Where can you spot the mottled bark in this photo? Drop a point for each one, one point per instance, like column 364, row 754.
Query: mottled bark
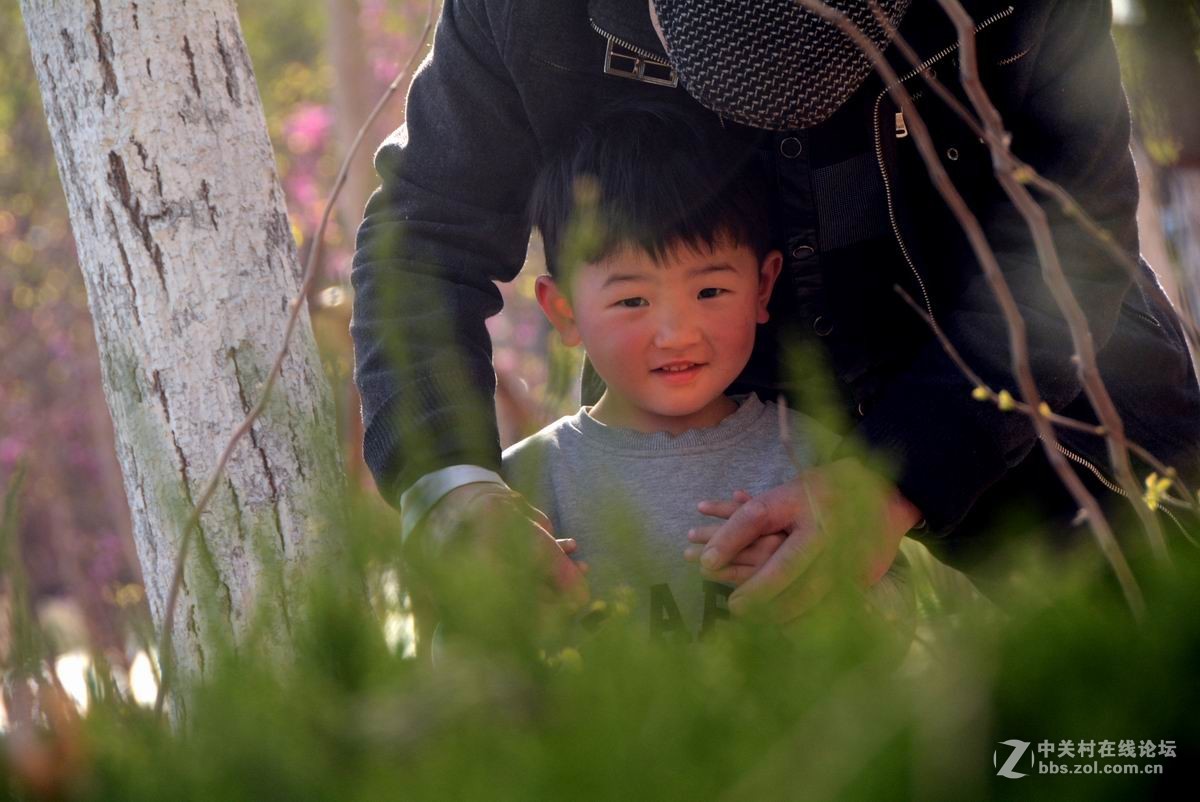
column 189, row 262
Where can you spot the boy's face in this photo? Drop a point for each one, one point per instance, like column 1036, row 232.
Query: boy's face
column 669, row 338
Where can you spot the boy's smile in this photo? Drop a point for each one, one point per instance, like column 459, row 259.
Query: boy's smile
column 679, row 372
column 668, row 338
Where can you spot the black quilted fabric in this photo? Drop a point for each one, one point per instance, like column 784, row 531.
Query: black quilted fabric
column 770, row 63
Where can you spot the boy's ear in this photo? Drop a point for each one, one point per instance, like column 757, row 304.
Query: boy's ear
column 557, row 309
column 772, row 264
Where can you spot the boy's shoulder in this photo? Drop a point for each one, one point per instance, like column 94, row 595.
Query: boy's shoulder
column 804, row 424
column 809, row 441
column 531, row 465
column 538, row 446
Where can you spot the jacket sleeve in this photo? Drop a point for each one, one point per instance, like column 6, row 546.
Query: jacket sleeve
column 446, row 223
column 1073, row 126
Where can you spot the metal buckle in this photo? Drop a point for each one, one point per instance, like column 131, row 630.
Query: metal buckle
column 625, row 63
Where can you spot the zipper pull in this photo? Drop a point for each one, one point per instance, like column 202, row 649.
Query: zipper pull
column 901, row 128
column 624, row 61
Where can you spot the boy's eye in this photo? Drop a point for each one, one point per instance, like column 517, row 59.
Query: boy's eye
column 712, row 292
column 632, row 303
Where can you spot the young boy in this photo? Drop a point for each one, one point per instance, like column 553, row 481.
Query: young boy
column 657, row 246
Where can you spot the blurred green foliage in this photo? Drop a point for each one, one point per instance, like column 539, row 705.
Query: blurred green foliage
column 1160, row 63
column 840, row 706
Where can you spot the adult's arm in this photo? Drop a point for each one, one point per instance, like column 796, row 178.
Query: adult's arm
column 1073, row 126
column 447, row 222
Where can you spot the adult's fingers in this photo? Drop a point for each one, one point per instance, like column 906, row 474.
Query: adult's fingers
column 505, row 502
column 698, row 537
column 539, row 517
column 784, row 568
column 746, row 563
column 506, row 509
column 755, row 554
column 570, row 546
column 762, row 515
column 561, row 572
column 718, row 508
column 801, row 597
column 730, row 574
column 758, row 552
column 723, row 508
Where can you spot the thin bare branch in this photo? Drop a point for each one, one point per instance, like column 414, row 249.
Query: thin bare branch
column 1018, row 345
column 297, row 304
column 1054, row 417
column 1028, row 175
column 947, row 346
column 1070, row 206
column 1052, row 273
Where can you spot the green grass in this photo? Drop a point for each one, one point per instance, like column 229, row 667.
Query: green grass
column 830, row 709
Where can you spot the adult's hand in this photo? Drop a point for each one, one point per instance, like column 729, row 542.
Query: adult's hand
column 780, row 531
column 746, row 562
column 483, row 525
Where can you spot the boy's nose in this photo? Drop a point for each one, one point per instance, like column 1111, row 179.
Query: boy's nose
column 676, row 331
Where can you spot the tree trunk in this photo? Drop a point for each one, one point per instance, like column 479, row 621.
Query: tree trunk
column 352, row 102
column 190, row 267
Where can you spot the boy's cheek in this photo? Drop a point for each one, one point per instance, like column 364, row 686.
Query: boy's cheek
column 614, row 342
column 737, row 336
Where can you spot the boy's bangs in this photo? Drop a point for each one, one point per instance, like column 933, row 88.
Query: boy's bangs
column 653, row 175
column 660, row 244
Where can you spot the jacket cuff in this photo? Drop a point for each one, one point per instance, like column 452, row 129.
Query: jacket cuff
column 943, row 453
column 418, row 500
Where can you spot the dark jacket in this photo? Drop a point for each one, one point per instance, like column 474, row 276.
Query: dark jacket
column 511, row 80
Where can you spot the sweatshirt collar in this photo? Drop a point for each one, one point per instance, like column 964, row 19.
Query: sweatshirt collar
column 736, row 424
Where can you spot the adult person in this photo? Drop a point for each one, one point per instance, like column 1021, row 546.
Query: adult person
column 854, row 211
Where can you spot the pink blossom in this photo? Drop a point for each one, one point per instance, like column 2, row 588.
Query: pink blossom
column 11, row 450
column 307, row 128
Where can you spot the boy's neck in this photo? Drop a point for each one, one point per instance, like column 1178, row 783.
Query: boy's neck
column 617, row 413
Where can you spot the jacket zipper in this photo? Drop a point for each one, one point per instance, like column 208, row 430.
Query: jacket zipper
column 901, row 125
column 645, row 56
column 887, row 186
column 1145, row 318
column 1004, row 62
column 1071, row 455
column 941, row 54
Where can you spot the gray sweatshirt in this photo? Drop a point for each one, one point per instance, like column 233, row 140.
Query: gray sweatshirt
column 629, row 498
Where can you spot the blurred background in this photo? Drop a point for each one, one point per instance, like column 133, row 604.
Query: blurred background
column 320, row 66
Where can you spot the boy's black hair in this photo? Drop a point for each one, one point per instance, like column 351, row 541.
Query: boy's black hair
column 654, row 174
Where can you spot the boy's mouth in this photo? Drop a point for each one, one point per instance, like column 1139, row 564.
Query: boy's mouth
column 678, row 371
